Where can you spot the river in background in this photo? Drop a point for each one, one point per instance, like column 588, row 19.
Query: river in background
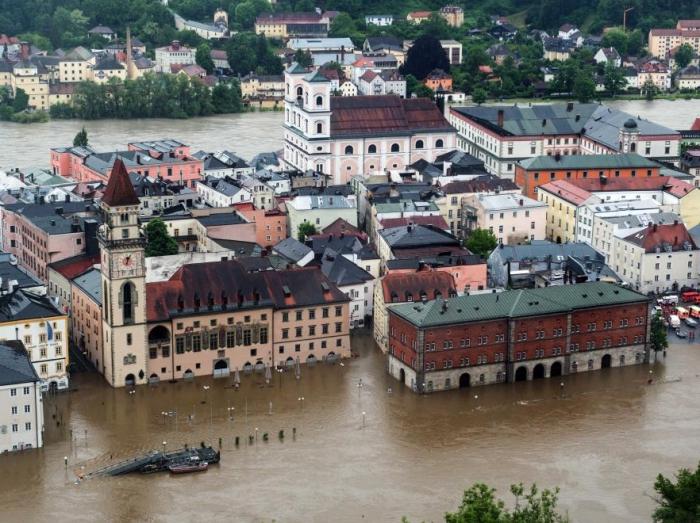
column 246, row 134
column 602, row 442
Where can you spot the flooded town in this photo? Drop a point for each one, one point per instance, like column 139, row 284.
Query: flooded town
column 307, row 263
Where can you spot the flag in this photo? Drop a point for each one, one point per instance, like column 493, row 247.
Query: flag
column 49, row 330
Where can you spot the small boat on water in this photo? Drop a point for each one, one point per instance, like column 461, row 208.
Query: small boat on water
column 191, row 465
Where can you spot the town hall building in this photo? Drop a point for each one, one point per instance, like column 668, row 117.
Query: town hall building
column 357, row 135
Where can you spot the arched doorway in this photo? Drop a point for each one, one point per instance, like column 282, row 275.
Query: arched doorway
column 188, row 375
column 248, row 367
column 221, row 368
column 555, row 370
column 464, row 380
column 130, row 380
column 259, row 366
column 538, row 372
column 558, row 239
column 53, row 387
column 153, row 378
column 521, row 374
column 289, row 362
column 331, row 357
column 311, row 359
column 606, row 362
column 402, row 376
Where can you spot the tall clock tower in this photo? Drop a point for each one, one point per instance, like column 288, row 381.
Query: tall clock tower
column 122, row 251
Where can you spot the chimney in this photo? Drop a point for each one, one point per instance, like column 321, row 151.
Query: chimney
column 91, row 245
column 675, row 222
column 654, row 227
column 578, row 117
column 544, row 122
column 521, row 202
column 569, row 107
column 53, row 223
column 500, row 117
column 24, row 48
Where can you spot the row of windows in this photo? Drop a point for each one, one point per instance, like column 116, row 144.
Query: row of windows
column 395, row 147
column 27, row 427
column 13, row 392
column 15, row 410
column 299, row 331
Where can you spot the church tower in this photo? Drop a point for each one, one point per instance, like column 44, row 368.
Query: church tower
column 122, row 251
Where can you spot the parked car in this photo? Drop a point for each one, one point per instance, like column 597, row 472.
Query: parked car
column 681, row 333
column 691, row 323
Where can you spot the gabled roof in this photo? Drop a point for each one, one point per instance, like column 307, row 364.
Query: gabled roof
column 342, row 271
column 485, row 183
column 341, row 226
column 119, row 189
column 589, row 161
column 417, row 236
column 15, row 366
column 292, row 249
column 75, row 265
column 435, row 221
column 401, row 287
column 673, row 236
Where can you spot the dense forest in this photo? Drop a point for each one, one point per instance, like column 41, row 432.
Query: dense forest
column 63, row 23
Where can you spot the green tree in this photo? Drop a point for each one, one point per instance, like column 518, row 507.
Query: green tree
column 614, row 79
column 616, row 38
column 203, row 57
column 305, row 230
column 481, row 242
column 226, row 97
column 303, row 58
column 649, row 90
column 21, row 101
column 480, row 505
column 584, row 87
column 81, row 139
column 425, row 54
column 680, row 501
column 684, row 55
column 657, row 336
column 158, row 241
column 478, row 95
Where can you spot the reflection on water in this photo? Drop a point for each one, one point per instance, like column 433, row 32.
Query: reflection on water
column 602, row 441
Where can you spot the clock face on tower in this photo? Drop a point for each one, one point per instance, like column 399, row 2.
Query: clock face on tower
column 125, row 262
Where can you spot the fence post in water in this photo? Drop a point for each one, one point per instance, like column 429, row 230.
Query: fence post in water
column 237, row 441
column 264, row 436
column 281, row 434
column 65, row 461
column 219, row 442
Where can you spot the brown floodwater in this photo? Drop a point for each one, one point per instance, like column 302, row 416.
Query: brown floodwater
column 602, row 443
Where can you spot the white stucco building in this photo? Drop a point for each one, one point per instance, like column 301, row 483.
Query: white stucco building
column 347, row 136
column 21, row 407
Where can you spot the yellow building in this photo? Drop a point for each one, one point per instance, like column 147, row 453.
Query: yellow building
column 563, row 200
column 26, row 76
column 76, row 66
column 106, row 69
column 453, row 15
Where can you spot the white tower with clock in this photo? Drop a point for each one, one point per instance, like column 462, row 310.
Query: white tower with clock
column 122, row 250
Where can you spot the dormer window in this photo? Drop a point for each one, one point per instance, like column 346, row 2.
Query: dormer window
column 319, row 101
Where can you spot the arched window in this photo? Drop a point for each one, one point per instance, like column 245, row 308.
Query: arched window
column 419, row 144
column 633, row 147
column 439, row 143
column 319, row 128
column 300, row 91
column 394, row 148
column 348, row 149
column 372, row 149
column 319, row 101
column 128, row 302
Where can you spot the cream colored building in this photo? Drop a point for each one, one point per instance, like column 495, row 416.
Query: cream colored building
column 26, row 76
column 76, row 66
column 21, row 406
column 512, row 218
column 656, row 259
column 563, row 201
column 35, row 321
column 662, row 41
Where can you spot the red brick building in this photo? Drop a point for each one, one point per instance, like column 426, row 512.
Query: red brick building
column 517, row 335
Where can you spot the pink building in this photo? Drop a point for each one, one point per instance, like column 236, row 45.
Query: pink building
column 270, row 226
column 173, row 165
column 86, row 316
column 42, row 233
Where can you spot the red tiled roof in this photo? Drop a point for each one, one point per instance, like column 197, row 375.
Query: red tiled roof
column 437, row 221
column 688, row 23
column 374, row 115
column 403, row 285
column 227, row 282
column 696, row 125
column 567, row 191
column 119, row 189
column 75, row 266
column 8, row 40
column 669, row 184
column 340, row 226
column 660, row 236
column 420, row 14
column 368, row 76
column 665, row 32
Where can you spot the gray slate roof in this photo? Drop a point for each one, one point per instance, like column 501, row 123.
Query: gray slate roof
column 342, row 271
column 91, row 282
column 417, row 236
column 292, row 249
column 15, row 367
column 21, row 305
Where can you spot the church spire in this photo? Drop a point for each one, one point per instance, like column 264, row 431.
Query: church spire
column 119, row 191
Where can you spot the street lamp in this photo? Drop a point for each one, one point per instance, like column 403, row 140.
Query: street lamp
column 230, row 413
column 300, row 399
